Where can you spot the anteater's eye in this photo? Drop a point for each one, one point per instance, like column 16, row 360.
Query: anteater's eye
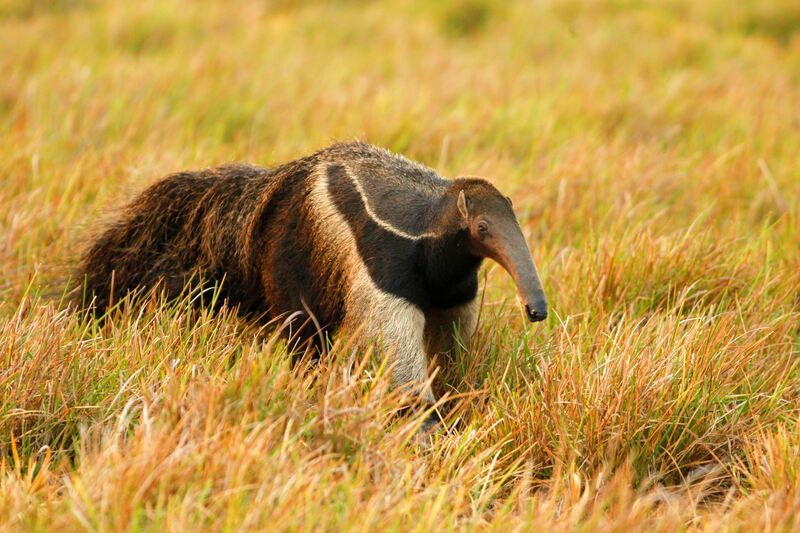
column 483, row 227
column 509, row 201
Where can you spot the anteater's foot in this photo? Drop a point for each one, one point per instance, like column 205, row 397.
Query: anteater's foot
column 432, row 423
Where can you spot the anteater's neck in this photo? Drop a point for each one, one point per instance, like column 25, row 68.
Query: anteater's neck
column 450, row 270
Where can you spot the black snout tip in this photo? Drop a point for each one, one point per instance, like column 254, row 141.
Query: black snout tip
column 536, row 313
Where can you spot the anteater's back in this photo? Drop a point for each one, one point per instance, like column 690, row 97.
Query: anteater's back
column 263, row 235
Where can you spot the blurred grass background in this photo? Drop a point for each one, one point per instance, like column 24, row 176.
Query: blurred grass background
column 652, row 150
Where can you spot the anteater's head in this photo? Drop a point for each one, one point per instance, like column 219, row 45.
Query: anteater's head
column 488, row 217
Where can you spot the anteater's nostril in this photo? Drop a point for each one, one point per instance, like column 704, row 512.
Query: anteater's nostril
column 535, row 315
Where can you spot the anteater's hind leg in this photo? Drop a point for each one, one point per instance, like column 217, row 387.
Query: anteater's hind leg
column 306, row 339
column 304, row 329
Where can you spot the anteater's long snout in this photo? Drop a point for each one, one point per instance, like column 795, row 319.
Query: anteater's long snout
column 536, row 312
column 531, row 292
column 512, row 253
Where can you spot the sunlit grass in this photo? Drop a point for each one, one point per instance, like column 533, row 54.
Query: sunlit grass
column 652, row 150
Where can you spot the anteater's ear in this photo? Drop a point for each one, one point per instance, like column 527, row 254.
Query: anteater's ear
column 462, row 205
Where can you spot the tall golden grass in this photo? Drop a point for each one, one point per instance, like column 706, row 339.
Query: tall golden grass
column 653, row 153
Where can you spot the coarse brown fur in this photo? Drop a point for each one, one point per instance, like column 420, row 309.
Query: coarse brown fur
column 205, row 225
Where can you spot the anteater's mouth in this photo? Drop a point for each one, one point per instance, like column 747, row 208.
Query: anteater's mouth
column 537, row 312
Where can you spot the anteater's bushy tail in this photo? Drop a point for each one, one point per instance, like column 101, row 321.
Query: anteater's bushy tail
column 149, row 245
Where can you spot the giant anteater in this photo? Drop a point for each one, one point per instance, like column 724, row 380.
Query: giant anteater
column 353, row 235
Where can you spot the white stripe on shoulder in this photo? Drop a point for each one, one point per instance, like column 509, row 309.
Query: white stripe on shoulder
column 379, row 221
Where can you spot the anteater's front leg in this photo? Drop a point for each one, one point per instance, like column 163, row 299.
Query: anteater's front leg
column 444, row 328
column 399, row 327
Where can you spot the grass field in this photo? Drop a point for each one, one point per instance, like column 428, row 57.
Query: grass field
column 653, row 153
